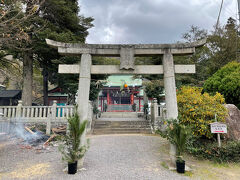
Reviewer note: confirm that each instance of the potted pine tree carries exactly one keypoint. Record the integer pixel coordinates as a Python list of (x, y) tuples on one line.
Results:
[(178, 134), (70, 147), (182, 133)]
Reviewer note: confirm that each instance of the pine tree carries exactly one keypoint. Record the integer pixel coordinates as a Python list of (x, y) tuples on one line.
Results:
[(17, 25), (62, 23)]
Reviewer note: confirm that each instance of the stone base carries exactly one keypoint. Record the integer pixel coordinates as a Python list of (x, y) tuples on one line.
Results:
[(80, 163)]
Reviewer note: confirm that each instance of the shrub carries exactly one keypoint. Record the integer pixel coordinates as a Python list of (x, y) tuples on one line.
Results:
[(229, 152), (227, 82), (145, 108), (198, 110)]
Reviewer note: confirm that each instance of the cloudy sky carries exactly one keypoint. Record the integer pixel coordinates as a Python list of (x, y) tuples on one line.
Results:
[(151, 21)]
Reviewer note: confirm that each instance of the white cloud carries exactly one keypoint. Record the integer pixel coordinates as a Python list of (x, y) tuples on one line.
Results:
[(155, 21)]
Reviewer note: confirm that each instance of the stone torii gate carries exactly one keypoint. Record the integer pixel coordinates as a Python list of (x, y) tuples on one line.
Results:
[(126, 54)]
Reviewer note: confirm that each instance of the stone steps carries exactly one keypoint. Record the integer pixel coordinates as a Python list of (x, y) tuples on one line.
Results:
[(121, 122), (121, 127), (98, 132), (119, 115)]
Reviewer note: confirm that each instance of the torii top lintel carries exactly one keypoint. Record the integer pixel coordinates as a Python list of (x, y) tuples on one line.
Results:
[(115, 49), (125, 51)]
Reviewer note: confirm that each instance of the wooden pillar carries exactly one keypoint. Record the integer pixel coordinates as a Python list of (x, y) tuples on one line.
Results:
[(132, 98), (108, 97), (139, 103)]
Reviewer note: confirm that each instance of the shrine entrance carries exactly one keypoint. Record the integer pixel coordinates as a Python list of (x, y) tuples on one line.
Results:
[(127, 54), (121, 93)]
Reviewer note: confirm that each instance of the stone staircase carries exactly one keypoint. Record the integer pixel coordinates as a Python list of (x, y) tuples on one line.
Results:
[(119, 115), (113, 124)]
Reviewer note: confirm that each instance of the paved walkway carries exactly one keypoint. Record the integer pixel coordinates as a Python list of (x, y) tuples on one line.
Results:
[(112, 157), (121, 119)]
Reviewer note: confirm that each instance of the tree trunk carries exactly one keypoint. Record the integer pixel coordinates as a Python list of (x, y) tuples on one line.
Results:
[(45, 86), (27, 79)]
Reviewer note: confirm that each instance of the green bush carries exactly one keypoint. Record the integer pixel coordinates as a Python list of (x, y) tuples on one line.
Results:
[(95, 109), (154, 89), (227, 82), (145, 108), (207, 149)]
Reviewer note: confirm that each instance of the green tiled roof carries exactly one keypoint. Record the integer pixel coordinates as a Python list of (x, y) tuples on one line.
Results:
[(57, 94), (119, 80)]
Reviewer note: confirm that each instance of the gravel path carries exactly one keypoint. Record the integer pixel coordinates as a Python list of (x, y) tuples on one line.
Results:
[(111, 157)]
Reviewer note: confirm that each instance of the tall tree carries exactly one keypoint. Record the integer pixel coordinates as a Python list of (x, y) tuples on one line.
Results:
[(223, 45), (20, 24), (199, 58), (17, 25), (64, 24)]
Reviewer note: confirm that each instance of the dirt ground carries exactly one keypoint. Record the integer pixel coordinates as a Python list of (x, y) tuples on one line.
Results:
[(204, 169), (18, 161)]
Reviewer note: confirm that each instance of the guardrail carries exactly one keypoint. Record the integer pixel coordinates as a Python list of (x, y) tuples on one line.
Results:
[(36, 114)]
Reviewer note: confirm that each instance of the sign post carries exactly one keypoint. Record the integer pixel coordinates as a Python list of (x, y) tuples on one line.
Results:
[(218, 128)]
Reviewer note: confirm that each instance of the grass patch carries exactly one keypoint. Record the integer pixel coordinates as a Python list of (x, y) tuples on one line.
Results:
[(220, 165), (188, 173), (164, 164)]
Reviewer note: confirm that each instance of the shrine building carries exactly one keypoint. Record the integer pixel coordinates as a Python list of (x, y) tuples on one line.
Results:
[(121, 93)]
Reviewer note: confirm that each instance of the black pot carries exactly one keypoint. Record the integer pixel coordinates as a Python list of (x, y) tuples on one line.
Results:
[(72, 168), (180, 166)]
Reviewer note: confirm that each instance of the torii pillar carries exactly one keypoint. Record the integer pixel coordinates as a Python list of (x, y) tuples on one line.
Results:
[(84, 89), (170, 94), (170, 85), (127, 53)]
